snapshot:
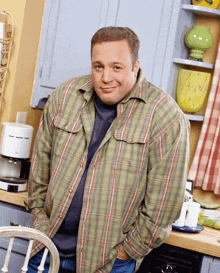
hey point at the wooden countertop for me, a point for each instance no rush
(205, 241)
(16, 198)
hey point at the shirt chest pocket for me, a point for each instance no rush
(68, 136)
(132, 147)
(136, 137)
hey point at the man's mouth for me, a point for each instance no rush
(108, 89)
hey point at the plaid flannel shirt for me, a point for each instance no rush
(135, 183)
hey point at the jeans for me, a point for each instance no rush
(69, 265)
(127, 266)
(66, 265)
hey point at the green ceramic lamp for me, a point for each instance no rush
(198, 39)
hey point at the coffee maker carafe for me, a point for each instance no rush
(14, 156)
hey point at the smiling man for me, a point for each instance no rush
(113, 73)
(109, 163)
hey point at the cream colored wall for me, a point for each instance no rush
(27, 15)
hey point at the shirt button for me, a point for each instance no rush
(60, 216)
(70, 191)
(130, 139)
(66, 127)
(81, 164)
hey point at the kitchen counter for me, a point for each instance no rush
(205, 241)
(16, 198)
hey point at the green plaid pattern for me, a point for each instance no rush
(135, 184)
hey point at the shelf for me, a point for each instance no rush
(195, 117)
(202, 11)
(193, 63)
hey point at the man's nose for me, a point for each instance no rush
(106, 75)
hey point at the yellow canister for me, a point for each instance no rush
(192, 88)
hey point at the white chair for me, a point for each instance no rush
(31, 234)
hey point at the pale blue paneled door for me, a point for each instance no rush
(68, 26)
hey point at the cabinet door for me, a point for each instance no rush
(210, 264)
(150, 20)
(20, 216)
(68, 27)
(215, 266)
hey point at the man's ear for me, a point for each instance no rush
(136, 67)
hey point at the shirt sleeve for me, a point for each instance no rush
(40, 168)
(165, 188)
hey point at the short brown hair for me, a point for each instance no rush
(111, 34)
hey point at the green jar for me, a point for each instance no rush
(198, 39)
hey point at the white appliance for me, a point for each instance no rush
(14, 156)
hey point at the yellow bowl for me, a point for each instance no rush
(213, 4)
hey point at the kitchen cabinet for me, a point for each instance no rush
(19, 215)
(68, 27)
(210, 265)
(64, 50)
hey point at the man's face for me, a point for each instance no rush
(113, 78)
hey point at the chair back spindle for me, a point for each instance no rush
(31, 234)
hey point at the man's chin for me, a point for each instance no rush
(108, 100)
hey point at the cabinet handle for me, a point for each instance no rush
(12, 223)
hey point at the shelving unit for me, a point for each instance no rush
(193, 63)
(202, 11)
(195, 117)
(198, 11)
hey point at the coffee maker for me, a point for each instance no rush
(14, 156)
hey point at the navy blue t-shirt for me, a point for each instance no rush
(66, 237)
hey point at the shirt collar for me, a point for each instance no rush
(140, 90)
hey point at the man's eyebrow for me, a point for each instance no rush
(97, 62)
(114, 63)
(118, 63)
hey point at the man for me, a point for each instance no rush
(109, 163)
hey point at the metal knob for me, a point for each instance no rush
(167, 268)
(12, 223)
